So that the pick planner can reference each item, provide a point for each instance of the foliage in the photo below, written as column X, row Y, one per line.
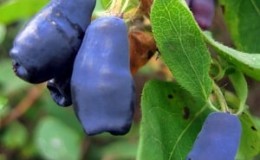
column 176, row 34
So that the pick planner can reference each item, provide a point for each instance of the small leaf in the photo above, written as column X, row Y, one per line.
column 250, row 140
column 56, row 141
column 247, row 63
column 14, row 10
column 243, row 21
column 170, row 123
column 179, row 40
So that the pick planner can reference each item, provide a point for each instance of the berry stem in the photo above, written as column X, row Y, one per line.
column 221, row 98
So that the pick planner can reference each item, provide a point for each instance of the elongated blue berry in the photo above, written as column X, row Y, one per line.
column 203, row 11
column 219, row 138
column 51, row 39
column 102, row 86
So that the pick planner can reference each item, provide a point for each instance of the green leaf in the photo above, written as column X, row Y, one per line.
column 15, row 136
column 181, row 45
column 240, row 85
column 56, row 141
column 19, row 9
column 243, row 21
column 250, row 140
column 247, row 63
column 170, row 123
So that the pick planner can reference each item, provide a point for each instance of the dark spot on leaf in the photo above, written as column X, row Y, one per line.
column 170, row 96
column 186, row 113
column 252, row 147
column 253, row 128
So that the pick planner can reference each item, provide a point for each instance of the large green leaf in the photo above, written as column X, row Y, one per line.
column 182, row 47
column 247, row 63
column 56, row 141
column 17, row 9
column 250, row 140
column 170, row 123
column 243, row 21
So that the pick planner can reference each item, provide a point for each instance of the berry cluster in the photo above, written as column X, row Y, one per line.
column 86, row 64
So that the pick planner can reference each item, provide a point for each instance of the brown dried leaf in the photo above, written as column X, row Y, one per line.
column 142, row 48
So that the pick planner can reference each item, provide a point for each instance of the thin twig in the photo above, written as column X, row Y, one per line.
column 32, row 96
